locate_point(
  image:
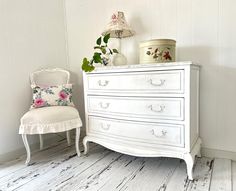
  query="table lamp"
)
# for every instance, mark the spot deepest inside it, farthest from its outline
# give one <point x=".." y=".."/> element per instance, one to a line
<point x="119" y="28"/>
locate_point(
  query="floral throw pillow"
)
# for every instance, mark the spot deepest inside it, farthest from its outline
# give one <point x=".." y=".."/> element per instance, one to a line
<point x="60" y="95"/>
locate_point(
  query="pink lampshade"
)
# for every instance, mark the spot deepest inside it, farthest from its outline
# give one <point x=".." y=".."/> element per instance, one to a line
<point x="118" y="27"/>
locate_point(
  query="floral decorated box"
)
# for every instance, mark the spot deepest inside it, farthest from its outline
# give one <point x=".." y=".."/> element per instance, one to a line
<point x="157" y="50"/>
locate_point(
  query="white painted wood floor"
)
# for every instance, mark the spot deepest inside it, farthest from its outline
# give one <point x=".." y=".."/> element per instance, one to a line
<point x="58" y="168"/>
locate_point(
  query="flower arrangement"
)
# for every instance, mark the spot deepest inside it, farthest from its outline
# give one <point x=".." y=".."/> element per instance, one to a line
<point x="101" y="54"/>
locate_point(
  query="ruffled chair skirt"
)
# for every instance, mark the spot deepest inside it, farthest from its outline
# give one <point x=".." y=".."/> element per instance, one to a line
<point x="50" y="120"/>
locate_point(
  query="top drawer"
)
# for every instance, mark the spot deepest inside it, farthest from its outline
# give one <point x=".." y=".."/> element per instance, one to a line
<point x="170" y="81"/>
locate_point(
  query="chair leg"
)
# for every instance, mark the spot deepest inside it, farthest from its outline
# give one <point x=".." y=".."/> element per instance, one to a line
<point x="68" y="138"/>
<point x="25" y="141"/>
<point x="77" y="140"/>
<point x="41" y="141"/>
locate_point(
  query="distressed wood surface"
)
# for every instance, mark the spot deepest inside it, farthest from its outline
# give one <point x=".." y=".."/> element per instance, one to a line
<point x="19" y="177"/>
<point x="17" y="164"/>
<point x="58" y="168"/>
<point x="179" y="180"/>
<point x="66" y="170"/>
<point x="82" y="181"/>
<point x="119" y="177"/>
<point x="96" y="179"/>
<point x="221" y="176"/>
<point x="202" y="175"/>
<point x="155" y="173"/>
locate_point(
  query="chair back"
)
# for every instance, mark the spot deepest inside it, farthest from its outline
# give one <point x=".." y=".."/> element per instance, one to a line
<point x="55" y="76"/>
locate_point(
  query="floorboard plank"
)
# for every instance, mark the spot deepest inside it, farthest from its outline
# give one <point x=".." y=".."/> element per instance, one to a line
<point x="63" y="169"/>
<point x="19" y="163"/>
<point x="153" y="176"/>
<point x="101" y="174"/>
<point x="106" y="174"/>
<point x="122" y="175"/>
<point x="81" y="181"/>
<point x="221" y="176"/>
<point x="19" y="177"/>
<point x="179" y="180"/>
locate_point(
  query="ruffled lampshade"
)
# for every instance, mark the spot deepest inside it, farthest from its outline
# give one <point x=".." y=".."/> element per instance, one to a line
<point x="118" y="27"/>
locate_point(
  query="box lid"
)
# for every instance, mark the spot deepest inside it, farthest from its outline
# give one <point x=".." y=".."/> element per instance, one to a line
<point x="152" y="42"/>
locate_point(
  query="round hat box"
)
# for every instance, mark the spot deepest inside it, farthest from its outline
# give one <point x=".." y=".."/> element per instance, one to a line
<point x="157" y="51"/>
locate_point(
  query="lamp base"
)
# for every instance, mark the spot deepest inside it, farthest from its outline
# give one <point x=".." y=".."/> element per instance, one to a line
<point x="119" y="59"/>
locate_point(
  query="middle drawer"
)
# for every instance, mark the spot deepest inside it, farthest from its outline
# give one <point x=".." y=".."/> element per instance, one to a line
<point x="157" y="108"/>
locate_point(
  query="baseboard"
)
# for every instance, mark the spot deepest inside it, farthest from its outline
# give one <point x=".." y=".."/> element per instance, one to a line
<point x="33" y="147"/>
<point x="215" y="153"/>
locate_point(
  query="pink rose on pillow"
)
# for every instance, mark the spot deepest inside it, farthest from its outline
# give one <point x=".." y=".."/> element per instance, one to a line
<point x="63" y="95"/>
<point x="39" y="102"/>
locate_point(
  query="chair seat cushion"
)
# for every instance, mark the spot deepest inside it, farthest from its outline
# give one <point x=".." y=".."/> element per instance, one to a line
<point x="50" y="120"/>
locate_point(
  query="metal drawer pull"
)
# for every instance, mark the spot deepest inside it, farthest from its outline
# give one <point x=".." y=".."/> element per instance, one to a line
<point x="161" y="83"/>
<point x="104" y="83"/>
<point x="107" y="127"/>
<point x="162" y="107"/>
<point x="161" y="133"/>
<point x="104" y="106"/>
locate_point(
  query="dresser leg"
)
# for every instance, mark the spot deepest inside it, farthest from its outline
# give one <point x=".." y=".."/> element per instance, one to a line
<point x="189" y="160"/>
<point x="86" y="145"/>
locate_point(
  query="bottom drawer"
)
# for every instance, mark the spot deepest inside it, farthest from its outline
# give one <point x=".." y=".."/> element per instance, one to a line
<point x="157" y="133"/>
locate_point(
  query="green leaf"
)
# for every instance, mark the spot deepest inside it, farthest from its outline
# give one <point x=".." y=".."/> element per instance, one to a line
<point x="99" y="47"/>
<point x="97" y="57"/>
<point x="103" y="50"/>
<point x="110" y="51"/>
<point x="97" y="53"/>
<point x="106" y="38"/>
<point x="115" y="50"/>
<point x="99" y="41"/>
<point x="96" y="47"/>
<point x="85" y="61"/>
<point x="86" y="66"/>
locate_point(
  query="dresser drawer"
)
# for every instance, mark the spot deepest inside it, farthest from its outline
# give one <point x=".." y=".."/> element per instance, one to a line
<point x="165" y="134"/>
<point x="157" y="108"/>
<point x="142" y="82"/>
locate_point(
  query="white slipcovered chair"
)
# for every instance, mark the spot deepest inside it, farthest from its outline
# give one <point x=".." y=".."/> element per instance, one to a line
<point x="51" y="119"/>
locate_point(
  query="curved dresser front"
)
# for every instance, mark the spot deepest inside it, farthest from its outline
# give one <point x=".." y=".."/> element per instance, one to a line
<point x="148" y="110"/>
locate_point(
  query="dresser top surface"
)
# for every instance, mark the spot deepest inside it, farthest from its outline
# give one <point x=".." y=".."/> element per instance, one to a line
<point x="149" y="65"/>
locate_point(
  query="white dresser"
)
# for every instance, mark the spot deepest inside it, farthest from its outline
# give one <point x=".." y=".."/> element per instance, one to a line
<point x="149" y="110"/>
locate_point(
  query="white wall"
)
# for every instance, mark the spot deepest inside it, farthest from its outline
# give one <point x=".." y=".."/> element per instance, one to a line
<point x="205" y="33"/>
<point x="32" y="36"/>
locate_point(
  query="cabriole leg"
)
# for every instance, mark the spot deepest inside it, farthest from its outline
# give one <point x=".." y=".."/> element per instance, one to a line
<point x="86" y="146"/>
<point x="41" y="141"/>
<point x="25" y="141"/>
<point x="77" y="141"/>
<point x="68" y="138"/>
<point x="189" y="160"/>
